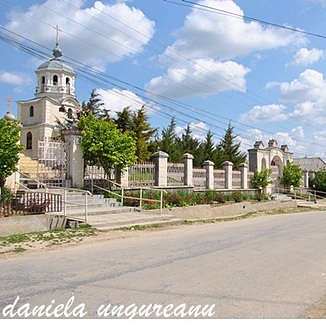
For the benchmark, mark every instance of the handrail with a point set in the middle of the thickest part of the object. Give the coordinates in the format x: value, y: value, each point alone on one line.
x: 295, y: 192
x: 136, y: 198
x: 65, y: 190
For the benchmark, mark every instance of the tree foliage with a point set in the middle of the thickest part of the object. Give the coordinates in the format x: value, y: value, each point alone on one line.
x: 319, y: 180
x: 292, y: 175
x: 168, y: 141
x: 137, y: 122
x: 261, y: 179
x: 106, y: 146
x: 228, y: 150
x: 93, y: 106
x: 9, y: 148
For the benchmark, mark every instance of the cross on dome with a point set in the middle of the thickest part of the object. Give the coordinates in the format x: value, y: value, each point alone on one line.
x: 57, y: 52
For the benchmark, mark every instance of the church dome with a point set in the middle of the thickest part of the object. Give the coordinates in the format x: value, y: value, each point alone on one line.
x: 56, y: 64
x: 9, y: 116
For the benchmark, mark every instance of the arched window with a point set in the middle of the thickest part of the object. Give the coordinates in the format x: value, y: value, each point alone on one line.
x: 31, y: 111
x: 55, y: 79
x: 43, y: 80
x: 29, y: 140
x: 69, y: 113
x: 67, y: 81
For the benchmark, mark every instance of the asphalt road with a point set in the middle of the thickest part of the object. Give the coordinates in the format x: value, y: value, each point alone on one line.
x: 264, y: 267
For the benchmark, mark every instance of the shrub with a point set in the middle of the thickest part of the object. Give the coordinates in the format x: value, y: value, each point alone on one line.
x: 237, y: 196
x: 219, y: 197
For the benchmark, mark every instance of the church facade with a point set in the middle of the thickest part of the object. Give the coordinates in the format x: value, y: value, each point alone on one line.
x: 54, y: 100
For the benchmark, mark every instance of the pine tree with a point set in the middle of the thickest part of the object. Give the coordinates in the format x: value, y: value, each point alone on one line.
x: 168, y: 143
x: 144, y: 134
x: 208, y: 148
x: 93, y: 105
x: 188, y: 144
x: 227, y: 150
x: 124, y: 119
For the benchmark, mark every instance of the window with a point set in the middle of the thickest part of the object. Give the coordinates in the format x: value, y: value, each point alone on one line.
x: 69, y: 113
x: 67, y: 81
x: 43, y: 80
x: 29, y: 140
x: 55, y: 80
x: 31, y: 111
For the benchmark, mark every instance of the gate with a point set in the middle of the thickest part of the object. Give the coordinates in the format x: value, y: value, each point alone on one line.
x: 52, y: 162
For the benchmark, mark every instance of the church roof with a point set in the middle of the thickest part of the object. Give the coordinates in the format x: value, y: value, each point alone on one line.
x: 56, y: 64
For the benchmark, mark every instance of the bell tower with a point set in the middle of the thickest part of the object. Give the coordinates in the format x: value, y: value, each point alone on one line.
x: 54, y: 100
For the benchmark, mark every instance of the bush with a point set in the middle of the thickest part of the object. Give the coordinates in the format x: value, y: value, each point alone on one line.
x: 219, y: 197
x: 237, y: 196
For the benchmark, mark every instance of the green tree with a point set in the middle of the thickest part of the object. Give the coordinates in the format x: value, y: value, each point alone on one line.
x: 319, y: 180
x: 228, y: 150
x: 292, y: 175
x: 168, y: 143
x: 106, y: 146
x: 124, y: 119
x: 9, y: 149
x: 208, y: 148
x: 144, y: 134
x: 93, y: 106
x: 261, y: 179
x: 188, y: 144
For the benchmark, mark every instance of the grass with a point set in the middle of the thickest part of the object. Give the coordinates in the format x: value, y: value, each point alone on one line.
x: 46, y: 238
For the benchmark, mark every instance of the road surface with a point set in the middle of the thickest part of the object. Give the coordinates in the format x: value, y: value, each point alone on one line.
x: 263, y: 267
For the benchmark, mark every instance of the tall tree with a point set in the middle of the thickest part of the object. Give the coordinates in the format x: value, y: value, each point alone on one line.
x: 144, y: 133
x: 168, y: 142
x: 228, y: 150
x: 94, y: 105
x: 9, y: 149
x: 208, y: 148
x: 124, y: 119
x: 188, y: 144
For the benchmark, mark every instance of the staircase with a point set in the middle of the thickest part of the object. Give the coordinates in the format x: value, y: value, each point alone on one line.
x: 30, y: 169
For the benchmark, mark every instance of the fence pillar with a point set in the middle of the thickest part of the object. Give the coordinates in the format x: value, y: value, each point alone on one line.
x: 161, y: 168
x: 122, y: 177
x: 305, y: 178
x: 244, y: 175
x: 227, y: 166
x: 188, y: 165
x: 75, y: 158
x: 209, y: 167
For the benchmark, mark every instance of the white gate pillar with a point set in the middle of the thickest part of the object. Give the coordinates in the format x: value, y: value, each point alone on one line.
x: 75, y: 158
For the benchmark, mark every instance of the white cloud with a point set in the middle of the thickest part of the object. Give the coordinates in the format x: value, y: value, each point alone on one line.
x: 95, y: 35
x: 305, y: 57
x: 116, y: 100
x: 12, y: 78
x: 199, y: 60
x: 203, y: 77
x: 211, y: 34
x: 264, y: 113
x: 309, y: 86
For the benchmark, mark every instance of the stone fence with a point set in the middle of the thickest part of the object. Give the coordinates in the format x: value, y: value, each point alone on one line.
x: 167, y: 174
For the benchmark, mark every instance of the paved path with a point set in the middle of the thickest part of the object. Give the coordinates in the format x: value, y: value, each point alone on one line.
x: 264, y: 267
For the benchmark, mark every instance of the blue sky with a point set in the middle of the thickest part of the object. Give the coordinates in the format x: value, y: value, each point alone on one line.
x: 205, y: 62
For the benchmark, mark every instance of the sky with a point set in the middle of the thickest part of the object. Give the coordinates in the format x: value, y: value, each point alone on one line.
x: 258, y: 65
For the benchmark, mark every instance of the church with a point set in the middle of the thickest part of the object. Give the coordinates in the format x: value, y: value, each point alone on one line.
x: 54, y: 100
